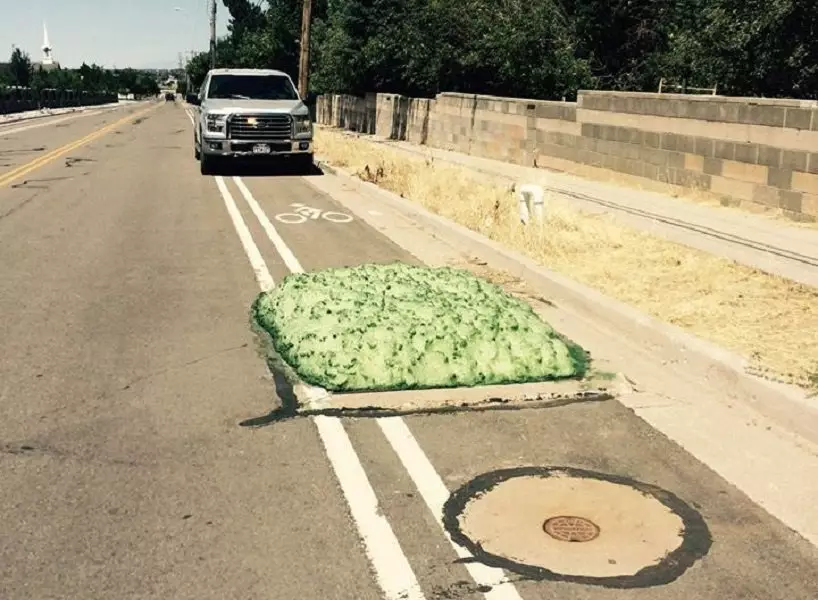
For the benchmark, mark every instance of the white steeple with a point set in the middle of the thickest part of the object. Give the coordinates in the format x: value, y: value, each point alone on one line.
x: 47, y: 58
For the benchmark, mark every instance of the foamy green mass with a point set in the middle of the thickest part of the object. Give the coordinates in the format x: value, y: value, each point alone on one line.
x: 397, y: 326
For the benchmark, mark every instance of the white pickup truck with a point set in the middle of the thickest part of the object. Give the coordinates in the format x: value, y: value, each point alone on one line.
x: 251, y: 113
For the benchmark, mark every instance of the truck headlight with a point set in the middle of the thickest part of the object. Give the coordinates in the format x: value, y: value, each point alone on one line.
x: 216, y: 123
x: 302, y: 124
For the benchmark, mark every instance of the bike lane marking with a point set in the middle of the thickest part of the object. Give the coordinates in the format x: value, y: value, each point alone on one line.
x: 491, y: 581
x: 302, y: 213
x: 393, y: 572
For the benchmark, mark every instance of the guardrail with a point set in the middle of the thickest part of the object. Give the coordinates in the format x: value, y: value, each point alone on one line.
x: 14, y: 99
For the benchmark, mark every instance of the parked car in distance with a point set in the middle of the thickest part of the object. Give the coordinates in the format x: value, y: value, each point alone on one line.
x: 251, y: 113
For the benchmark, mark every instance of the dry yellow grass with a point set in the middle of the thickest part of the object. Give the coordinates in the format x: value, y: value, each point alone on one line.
x: 770, y: 320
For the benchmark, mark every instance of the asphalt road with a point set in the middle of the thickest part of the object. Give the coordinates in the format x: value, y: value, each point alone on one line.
x: 127, y: 365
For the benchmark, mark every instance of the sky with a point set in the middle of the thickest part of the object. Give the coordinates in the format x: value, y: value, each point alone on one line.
x: 110, y: 33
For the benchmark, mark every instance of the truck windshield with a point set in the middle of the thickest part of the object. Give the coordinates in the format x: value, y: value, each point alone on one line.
x: 251, y: 87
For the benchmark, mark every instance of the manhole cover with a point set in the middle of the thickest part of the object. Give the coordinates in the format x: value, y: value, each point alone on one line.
x: 571, y: 529
x: 601, y: 530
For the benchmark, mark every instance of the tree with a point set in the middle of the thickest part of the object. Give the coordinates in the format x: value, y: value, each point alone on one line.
x: 544, y: 49
x: 20, y: 68
x: 41, y: 79
x: 5, y: 75
x: 198, y: 66
x: 747, y: 47
x: 65, y: 79
x: 244, y: 17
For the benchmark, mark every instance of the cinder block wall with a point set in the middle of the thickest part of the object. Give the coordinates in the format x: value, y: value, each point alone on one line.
x: 502, y: 128
x: 744, y: 151
x: 347, y: 112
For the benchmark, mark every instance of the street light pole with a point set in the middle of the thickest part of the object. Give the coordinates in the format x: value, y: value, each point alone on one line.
x: 304, y: 58
x: 212, y: 34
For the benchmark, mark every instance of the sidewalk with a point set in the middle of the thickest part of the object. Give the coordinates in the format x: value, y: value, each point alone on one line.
x: 770, y: 245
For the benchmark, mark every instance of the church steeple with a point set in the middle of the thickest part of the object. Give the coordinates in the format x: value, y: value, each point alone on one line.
x: 48, y: 59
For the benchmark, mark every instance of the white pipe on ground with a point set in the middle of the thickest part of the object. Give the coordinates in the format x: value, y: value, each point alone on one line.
x: 523, y: 205
x: 531, y: 199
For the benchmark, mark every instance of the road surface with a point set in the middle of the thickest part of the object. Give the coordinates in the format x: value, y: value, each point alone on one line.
x: 127, y: 366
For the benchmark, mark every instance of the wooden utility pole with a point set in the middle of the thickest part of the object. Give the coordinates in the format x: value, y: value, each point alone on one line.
x: 304, y: 59
x: 212, y: 34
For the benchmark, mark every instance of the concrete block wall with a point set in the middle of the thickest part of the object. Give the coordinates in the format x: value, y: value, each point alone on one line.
x: 418, y: 113
x: 507, y: 129
x: 744, y: 151
x: 348, y: 112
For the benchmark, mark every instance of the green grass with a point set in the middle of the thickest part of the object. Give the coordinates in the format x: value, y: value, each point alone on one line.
x: 399, y: 327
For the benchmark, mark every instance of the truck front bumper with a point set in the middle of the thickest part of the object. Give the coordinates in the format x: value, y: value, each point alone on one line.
x: 255, y: 148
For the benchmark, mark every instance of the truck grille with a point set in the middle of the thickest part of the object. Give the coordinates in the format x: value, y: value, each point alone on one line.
x: 260, y: 127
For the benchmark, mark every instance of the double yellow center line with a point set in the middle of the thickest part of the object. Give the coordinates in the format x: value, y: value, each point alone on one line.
x: 8, y: 177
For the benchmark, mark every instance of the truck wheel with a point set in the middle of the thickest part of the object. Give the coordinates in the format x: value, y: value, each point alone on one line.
x: 303, y: 163
x: 206, y: 164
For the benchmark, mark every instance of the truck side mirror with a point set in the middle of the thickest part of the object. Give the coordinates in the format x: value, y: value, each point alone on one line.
x: 193, y: 99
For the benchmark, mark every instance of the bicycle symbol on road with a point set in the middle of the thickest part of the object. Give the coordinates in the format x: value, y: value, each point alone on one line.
x: 301, y: 213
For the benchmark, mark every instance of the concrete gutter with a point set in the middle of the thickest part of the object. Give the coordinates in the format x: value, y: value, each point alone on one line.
x: 787, y: 405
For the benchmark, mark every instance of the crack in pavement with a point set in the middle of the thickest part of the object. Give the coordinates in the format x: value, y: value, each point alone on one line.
x: 14, y: 209
x: 29, y: 449
x: 23, y: 150
x: 176, y: 367
x: 70, y: 161
x: 26, y: 183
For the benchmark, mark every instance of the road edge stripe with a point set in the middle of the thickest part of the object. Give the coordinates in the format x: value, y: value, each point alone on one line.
x: 420, y: 469
x: 435, y: 493
x: 393, y: 573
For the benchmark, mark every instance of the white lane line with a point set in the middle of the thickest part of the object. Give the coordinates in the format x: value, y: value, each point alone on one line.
x: 392, y: 569
x: 286, y: 254
x: 411, y: 455
x: 265, y: 280
x: 393, y: 572
x: 313, y: 396
x: 435, y: 494
x: 190, y: 116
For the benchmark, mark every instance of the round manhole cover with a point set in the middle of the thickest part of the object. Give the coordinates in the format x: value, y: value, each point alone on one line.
x: 571, y: 529
x: 600, y: 529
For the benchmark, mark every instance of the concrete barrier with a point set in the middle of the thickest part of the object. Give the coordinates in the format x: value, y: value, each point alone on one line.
x: 749, y: 152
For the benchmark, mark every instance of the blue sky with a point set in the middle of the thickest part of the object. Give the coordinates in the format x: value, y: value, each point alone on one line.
x: 121, y: 33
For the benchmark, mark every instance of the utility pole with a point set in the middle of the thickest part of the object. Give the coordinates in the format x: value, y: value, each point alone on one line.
x: 304, y: 58
x: 212, y: 34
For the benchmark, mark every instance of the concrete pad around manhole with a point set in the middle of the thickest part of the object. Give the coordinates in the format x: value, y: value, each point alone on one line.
x: 580, y: 526
x: 479, y: 397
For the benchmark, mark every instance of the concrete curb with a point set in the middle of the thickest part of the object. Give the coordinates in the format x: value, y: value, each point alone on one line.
x: 786, y: 404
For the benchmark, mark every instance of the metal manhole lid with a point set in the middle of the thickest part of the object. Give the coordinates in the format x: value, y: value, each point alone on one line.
x: 571, y: 529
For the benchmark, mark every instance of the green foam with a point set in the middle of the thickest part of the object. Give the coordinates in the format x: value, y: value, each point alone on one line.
x: 400, y: 327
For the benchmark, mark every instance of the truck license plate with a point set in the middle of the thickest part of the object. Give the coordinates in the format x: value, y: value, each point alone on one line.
x: 261, y: 149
